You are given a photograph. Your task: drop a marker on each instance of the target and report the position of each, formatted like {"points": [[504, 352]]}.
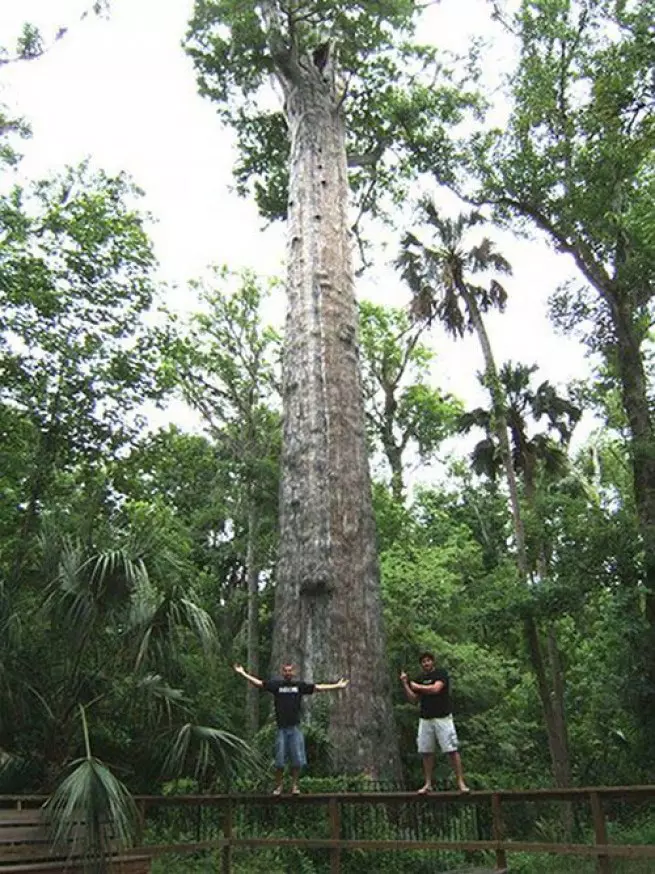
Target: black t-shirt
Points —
{"points": [[288, 696], [435, 706]]}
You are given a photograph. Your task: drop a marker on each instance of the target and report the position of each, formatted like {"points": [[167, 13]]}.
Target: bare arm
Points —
{"points": [[407, 688], [430, 689], [254, 681], [331, 687]]}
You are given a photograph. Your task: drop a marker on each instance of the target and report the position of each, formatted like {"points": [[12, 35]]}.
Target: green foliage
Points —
{"points": [[76, 356], [436, 274], [91, 795], [401, 408], [388, 87], [225, 363]]}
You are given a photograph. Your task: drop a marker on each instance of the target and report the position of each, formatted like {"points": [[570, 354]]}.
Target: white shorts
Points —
{"points": [[441, 730]]}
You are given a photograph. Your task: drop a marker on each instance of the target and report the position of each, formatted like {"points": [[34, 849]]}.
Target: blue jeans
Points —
{"points": [[290, 747]]}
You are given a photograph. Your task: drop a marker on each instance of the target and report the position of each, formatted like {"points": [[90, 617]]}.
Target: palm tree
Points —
{"points": [[538, 456], [437, 275], [112, 627], [543, 451]]}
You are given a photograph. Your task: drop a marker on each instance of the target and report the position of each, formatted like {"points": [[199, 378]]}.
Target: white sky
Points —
{"points": [[123, 92]]}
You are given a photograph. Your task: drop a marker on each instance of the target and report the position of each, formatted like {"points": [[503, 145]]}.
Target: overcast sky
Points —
{"points": [[122, 91]]}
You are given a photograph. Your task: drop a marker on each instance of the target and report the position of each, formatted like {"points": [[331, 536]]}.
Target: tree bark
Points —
{"points": [[555, 723], [634, 394], [623, 309], [328, 615], [252, 621]]}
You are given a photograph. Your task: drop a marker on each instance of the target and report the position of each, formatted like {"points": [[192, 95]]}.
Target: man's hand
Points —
{"points": [[239, 669], [412, 697], [342, 683]]}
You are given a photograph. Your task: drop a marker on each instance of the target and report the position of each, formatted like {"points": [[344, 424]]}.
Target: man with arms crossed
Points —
{"points": [[289, 742], [431, 691]]}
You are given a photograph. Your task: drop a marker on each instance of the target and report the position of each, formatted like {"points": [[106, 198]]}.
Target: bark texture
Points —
{"points": [[252, 579], [328, 616]]}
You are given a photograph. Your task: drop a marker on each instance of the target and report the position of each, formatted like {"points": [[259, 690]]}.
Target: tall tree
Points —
{"points": [[226, 365], [535, 457], [575, 160], [401, 408], [334, 64], [436, 275], [76, 357]]}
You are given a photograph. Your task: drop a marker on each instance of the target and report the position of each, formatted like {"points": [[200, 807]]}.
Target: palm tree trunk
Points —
{"points": [[554, 724], [500, 426], [328, 615]]}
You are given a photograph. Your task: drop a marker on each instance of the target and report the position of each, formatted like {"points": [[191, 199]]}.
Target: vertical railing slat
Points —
{"points": [[226, 860], [498, 827], [335, 834], [600, 832]]}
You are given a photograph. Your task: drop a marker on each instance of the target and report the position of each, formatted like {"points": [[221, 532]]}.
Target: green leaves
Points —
{"points": [[91, 811], [199, 748], [76, 281], [400, 407], [396, 94]]}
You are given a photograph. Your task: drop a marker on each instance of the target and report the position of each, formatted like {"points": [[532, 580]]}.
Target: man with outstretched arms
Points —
{"points": [[289, 741]]}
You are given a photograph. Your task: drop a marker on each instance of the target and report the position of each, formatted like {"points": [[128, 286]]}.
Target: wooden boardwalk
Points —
{"points": [[482, 828]]}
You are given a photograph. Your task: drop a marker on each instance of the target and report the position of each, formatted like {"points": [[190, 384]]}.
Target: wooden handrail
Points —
{"points": [[334, 802]]}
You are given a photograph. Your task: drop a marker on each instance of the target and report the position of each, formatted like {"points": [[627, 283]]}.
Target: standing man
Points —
{"points": [[431, 691], [289, 742]]}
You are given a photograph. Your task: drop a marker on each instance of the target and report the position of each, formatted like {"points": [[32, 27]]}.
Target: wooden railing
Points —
{"points": [[488, 825]]}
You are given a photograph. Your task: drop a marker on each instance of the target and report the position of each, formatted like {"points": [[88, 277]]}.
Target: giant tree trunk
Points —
{"points": [[328, 616], [634, 392], [252, 622]]}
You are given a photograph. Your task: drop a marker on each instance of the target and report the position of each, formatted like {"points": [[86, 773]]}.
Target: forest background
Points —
{"points": [[140, 409]]}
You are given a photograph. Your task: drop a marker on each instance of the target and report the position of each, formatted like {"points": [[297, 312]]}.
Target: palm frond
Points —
{"points": [[90, 813], [477, 418], [485, 458], [114, 573], [198, 620], [485, 257], [159, 620], [158, 694], [199, 748]]}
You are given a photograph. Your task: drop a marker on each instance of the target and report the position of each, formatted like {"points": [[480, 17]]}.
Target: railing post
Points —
{"points": [[335, 834], [141, 820], [226, 853], [498, 828], [603, 865]]}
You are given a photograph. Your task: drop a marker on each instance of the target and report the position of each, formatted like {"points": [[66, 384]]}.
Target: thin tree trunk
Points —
{"points": [[252, 622], [44, 464], [500, 427], [328, 614], [555, 725], [395, 460], [634, 393]]}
